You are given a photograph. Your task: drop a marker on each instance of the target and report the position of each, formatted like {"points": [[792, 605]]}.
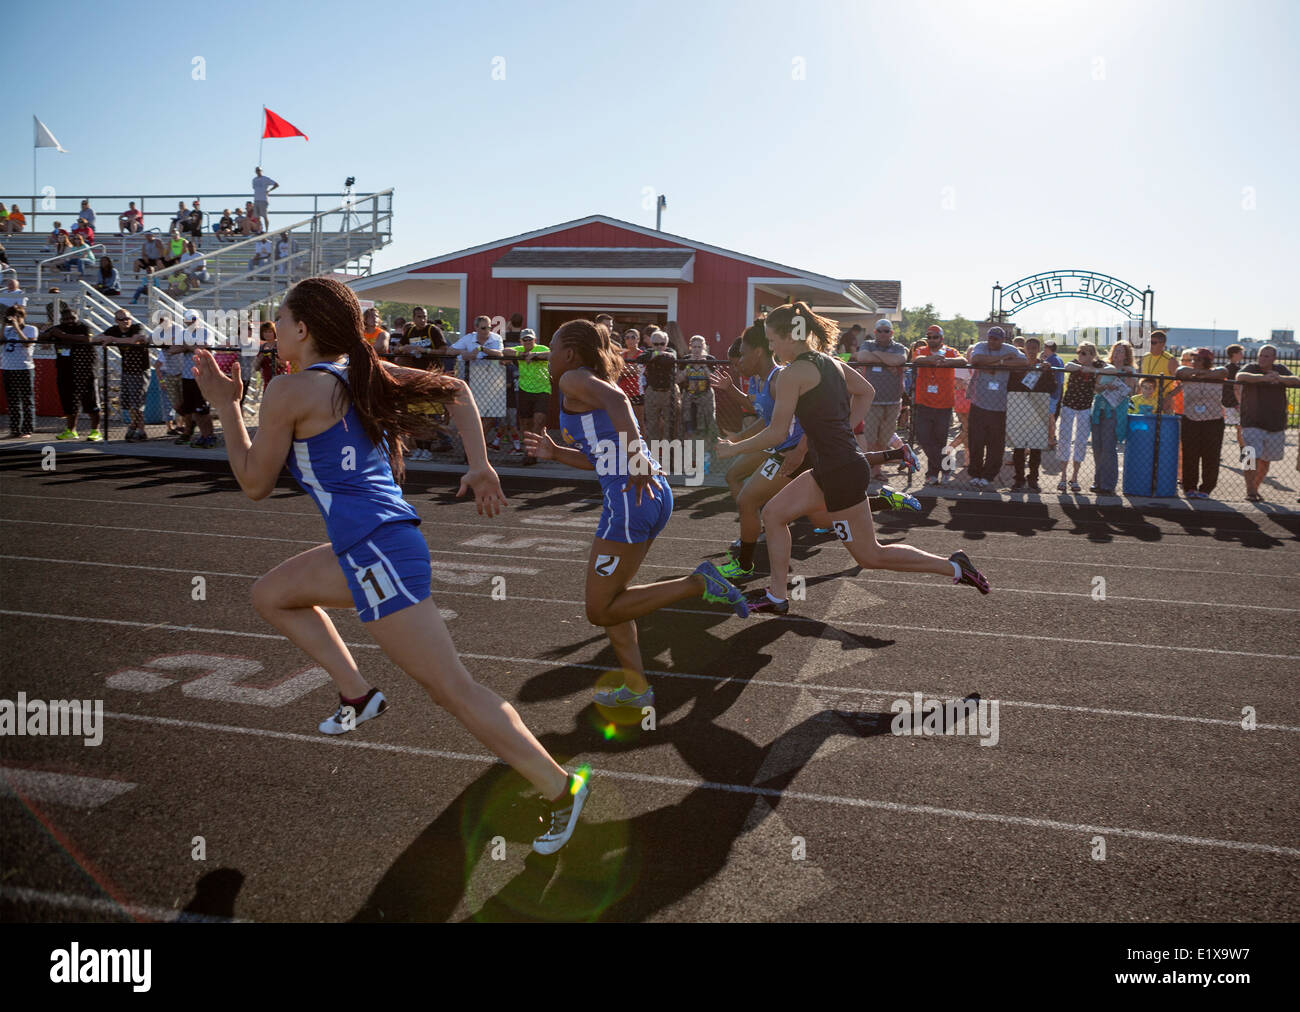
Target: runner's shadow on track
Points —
{"points": [[613, 869], [214, 895]]}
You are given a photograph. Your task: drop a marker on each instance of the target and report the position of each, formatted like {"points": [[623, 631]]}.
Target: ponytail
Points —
{"points": [[800, 323], [387, 405]]}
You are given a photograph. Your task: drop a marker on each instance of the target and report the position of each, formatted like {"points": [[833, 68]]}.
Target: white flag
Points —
{"points": [[45, 139]]}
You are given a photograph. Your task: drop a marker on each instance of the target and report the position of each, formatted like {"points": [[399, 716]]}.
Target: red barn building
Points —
{"points": [[640, 276]]}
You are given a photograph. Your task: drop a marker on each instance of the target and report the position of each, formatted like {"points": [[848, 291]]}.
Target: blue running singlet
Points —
{"points": [[621, 519], [348, 477], [765, 404]]}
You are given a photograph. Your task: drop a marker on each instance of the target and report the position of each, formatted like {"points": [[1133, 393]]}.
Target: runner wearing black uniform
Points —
{"points": [[828, 399]]}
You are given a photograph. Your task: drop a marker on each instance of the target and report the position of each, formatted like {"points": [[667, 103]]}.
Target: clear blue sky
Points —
{"points": [[1116, 136]]}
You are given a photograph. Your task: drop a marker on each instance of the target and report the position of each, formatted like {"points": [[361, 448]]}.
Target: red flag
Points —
{"points": [[277, 126]]}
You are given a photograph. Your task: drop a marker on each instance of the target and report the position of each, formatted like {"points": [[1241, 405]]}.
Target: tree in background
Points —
{"points": [[958, 332]]}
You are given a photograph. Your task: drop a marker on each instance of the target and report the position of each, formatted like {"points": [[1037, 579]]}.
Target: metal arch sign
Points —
{"points": [[1071, 284]]}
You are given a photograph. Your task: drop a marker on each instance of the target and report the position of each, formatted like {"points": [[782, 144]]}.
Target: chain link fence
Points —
{"points": [[1046, 430]]}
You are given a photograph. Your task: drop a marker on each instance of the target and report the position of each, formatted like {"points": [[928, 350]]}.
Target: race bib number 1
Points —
{"points": [[376, 584], [842, 531]]}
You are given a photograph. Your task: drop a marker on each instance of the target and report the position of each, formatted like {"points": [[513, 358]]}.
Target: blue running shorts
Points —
{"points": [[623, 520], [388, 570]]}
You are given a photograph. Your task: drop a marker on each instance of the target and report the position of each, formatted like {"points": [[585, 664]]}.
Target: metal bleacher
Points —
{"points": [[335, 235]]}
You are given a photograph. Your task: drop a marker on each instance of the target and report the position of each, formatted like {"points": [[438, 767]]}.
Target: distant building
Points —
{"points": [[1178, 337]]}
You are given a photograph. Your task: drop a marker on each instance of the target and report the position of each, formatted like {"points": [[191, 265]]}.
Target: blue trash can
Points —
{"points": [[1139, 452], [156, 407]]}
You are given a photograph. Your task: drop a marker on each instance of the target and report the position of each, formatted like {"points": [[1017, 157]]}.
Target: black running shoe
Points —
{"points": [[969, 574], [757, 600]]}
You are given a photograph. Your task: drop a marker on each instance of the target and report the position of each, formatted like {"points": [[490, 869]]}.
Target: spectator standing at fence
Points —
{"points": [[934, 399], [262, 186], [74, 357], [130, 221], [1110, 410], [194, 409], [629, 380], [395, 331], [988, 412], [12, 295], [699, 408], [882, 362], [1262, 389], [487, 380], [18, 367], [1231, 405], [1029, 415], [419, 347], [1201, 427], [373, 333], [961, 409], [133, 340], [534, 401], [1076, 412], [1159, 362], [268, 361], [1058, 384], [167, 335], [662, 404]]}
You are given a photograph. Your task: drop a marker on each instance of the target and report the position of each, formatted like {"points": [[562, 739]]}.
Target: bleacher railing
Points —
{"points": [[71, 253]]}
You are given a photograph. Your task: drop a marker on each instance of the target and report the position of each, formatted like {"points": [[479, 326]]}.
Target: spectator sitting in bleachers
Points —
{"points": [[283, 250], [152, 254], [175, 247], [4, 217], [59, 240], [179, 286], [197, 271], [240, 227], [12, 295], [4, 257], [194, 224], [130, 220], [78, 255], [85, 229], [252, 223], [261, 254], [144, 285], [182, 216], [226, 226], [109, 283], [87, 212], [17, 220]]}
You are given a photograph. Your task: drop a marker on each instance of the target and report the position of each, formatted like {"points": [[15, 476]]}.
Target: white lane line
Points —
{"points": [[337, 741], [69, 901], [60, 788], [875, 576], [534, 522], [869, 693]]}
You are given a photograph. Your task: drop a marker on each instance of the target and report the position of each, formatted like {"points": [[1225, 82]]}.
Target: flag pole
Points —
{"points": [[263, 139]]}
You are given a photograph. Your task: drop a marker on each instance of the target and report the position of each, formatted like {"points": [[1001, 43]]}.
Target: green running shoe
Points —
{"points": [[718, 590], [94, 436], [899, 500], [732, 570], [68, 434]]}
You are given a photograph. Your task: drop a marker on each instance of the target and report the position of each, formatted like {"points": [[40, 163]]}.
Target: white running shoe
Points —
{"points": [[562, 816], [346, 718]]}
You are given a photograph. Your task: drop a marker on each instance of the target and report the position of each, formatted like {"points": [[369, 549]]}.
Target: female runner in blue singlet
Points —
{"points": [[597, 422], [336, 422], [829, 399]]}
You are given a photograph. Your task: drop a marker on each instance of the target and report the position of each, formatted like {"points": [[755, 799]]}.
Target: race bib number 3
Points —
{"points": [[769, 469], [378, 587], [842, 531], [606, 564]]}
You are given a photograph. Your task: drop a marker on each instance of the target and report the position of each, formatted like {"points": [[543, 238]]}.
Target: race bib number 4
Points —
{"points": [[769, 469]]}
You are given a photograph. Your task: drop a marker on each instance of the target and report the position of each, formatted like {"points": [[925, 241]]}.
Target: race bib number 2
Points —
{"points": [[606, 564]]}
